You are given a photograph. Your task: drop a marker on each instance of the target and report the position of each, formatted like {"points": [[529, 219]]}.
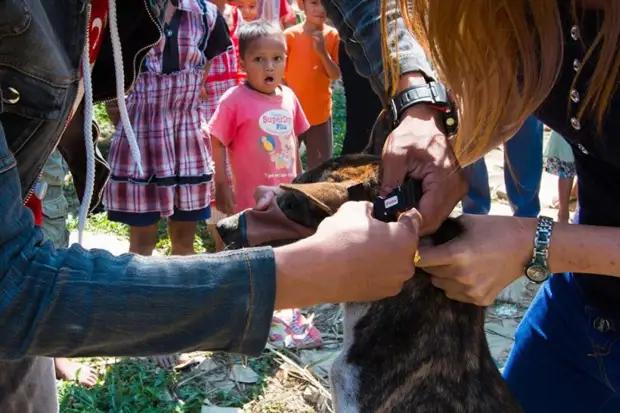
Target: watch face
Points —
{"points": [[537, 273]]}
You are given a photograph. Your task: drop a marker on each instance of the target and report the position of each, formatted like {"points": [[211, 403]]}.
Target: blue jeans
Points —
{"points": [[522, 174], [566, 357]]}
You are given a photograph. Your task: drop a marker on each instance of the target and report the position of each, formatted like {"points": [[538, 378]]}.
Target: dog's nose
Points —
{"points": [[231, 230]]}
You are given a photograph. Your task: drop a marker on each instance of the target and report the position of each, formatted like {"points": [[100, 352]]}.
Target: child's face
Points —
{"points": [[264, 62], [315, 13], [248, 8]]}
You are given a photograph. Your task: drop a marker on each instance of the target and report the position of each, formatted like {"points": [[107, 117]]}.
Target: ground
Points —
{"points": [[277, 381]]}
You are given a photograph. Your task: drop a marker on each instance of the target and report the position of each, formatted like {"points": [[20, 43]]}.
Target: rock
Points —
{"points": [[320, 361], [243, 374], [311, 395]]}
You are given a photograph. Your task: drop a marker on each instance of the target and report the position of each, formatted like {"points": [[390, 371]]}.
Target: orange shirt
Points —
{"points": [[305, 73]]}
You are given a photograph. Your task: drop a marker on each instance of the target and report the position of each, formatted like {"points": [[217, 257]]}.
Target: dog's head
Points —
{"points": [[299, 208]]}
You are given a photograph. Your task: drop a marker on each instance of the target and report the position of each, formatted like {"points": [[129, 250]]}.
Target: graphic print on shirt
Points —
{"points": [[277, 142]]}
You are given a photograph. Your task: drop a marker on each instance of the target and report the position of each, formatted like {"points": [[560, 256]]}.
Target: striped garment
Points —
{"points": [[165, 112], [225, 73]]}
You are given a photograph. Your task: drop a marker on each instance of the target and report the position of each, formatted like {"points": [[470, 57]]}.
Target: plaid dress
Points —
{"points": [[225, 73], [165, 111]]}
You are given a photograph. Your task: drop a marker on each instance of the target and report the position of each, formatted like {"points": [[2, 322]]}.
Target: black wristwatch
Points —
{"points": [[433, 94]]}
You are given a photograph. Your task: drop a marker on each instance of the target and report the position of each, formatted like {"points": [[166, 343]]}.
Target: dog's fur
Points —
{"points": [[417, 352]]}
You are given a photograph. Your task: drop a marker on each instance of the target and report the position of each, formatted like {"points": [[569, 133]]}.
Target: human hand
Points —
{"points": [[491, 253], [352, 257], [418, 148], [224, 198], [318, 41], [263, 196]]}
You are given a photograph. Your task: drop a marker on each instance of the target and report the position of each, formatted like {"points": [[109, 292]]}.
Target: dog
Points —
{"points": [[416, 352]]}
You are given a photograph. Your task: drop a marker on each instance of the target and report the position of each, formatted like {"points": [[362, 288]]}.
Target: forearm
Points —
{"points": [[89, 303], [74, 302], [331, 68], [577, 248], [219, 159], [358, 23]]}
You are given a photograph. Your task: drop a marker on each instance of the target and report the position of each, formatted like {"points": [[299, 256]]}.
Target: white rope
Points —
{"points": [[120, 87]]}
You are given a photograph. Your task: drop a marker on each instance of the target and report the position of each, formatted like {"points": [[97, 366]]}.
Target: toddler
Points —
{"points": [[312, 64], [165, 111], [278, 10], [258, 122]]}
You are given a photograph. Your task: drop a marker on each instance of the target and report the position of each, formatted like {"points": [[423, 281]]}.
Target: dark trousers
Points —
{"points": [[363, 106]]}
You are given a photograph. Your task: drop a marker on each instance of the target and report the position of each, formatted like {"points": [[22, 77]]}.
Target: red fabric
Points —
{"points": [[36, 206]]}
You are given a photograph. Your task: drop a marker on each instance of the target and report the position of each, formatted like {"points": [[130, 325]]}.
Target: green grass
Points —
{"points": [[131, 385]]}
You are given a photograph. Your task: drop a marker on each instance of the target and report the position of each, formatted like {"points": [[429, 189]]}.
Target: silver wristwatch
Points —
{"points": [[537, 270]]}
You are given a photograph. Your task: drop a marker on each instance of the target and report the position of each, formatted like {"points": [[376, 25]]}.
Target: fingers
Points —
{"points": [[393, 166], [355, 207], [436, 255], [263, 195]]}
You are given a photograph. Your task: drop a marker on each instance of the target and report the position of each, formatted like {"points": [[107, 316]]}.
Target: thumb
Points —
{"points": [[412, 219], [435, 255], [393, 167]]}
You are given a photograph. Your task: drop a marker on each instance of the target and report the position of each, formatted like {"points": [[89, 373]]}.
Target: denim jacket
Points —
{"points": [[73, 302]]}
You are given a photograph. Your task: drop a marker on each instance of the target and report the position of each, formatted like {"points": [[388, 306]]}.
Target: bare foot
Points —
{"points": [[166, 361], [174, 361], [72, 371]]}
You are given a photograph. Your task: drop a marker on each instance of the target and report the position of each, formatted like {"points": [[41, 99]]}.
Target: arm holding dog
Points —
{"points": [[478, 265], [417, 147]]}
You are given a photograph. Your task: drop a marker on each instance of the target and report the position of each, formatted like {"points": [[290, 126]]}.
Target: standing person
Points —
{"points": [[560, 161], [559, 61], [224, 73], [256, 123], [523, 163], [362, 105], [278, 10], [165, 112], [55, 210], [311, 66]]}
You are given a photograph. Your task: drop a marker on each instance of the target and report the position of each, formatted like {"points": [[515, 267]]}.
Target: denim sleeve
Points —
{"points": [[359, 25], [73, 302]]}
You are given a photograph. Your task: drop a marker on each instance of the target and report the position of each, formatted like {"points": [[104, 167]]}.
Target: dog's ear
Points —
{"points": [[326, 195]]}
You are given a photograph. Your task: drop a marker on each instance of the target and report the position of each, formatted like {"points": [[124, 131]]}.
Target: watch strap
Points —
{"points": [[542, 240], [433, 94]]}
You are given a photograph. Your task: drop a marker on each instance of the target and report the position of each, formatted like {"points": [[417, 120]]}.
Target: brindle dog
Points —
{"points": [[416, 352]]}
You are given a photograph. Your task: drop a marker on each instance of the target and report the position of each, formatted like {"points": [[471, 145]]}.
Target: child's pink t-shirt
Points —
{"points": [[260, 132]]}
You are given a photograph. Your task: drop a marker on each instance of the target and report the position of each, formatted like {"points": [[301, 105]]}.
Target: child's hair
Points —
{"points": [[251, 31]]}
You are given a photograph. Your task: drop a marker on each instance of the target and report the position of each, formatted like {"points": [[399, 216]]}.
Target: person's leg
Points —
{"points": [[318, 141], [182, 229], [54, 227], [565, 186], [362, 105], [523, 168], [478, 198], [562, 359], [142, 230]]}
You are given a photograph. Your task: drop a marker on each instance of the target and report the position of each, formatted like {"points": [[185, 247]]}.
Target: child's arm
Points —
{"points": [[224, 197], [331, 67], [204, 93]]}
